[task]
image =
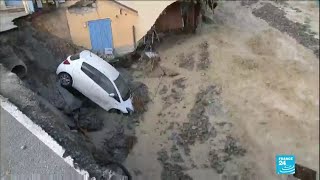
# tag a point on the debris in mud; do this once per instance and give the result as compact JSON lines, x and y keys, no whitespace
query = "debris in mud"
{"x":174,"y":172}
{"x":186,"y":62}
{"x":169,"y":72}
{"x":150,"y":65}
{"x":164,"y":90}
{"x":141,"y":97}
{"x":276,"y":18}
{"x":218,"y":157}
{"x":171,"y":171}
{"x":118,"y":145}
{"x":204,"y":61}
{"x":174,"y":97}
{"x":216,"y":162}
{"x":163,"y":156}
{"x":198,"y":128}
{"x":180,"y":83}
{"x":232,"y":147}
{"x":175,"y":155}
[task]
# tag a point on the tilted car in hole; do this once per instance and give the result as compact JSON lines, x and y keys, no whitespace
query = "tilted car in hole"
{"x":97,"y":80}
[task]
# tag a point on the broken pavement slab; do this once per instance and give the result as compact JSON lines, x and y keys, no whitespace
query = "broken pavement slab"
{"x":6,"y":19}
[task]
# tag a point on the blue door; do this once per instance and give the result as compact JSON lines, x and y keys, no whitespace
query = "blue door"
{"x":16,"y":3}
{"x":100,"y":35}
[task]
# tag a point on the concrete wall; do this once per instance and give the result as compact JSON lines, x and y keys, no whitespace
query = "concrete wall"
{"x":121,"y":23}
{"x":149,"y":11}
{"x":170,"y":19}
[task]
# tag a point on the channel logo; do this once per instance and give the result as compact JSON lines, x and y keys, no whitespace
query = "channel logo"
{"x":285,"y":164}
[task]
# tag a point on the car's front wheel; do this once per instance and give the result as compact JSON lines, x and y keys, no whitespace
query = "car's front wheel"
{"x":65,"y":79}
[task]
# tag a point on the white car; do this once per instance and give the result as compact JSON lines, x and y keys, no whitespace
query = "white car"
{"x":97,"y":80}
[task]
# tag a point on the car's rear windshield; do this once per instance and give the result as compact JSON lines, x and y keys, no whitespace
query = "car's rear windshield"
{"x":75,"y":57}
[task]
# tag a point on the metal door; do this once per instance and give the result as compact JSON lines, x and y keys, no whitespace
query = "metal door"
{"x":100,"y":35}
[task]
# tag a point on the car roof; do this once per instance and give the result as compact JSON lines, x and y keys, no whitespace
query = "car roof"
{"x":100,"y":64}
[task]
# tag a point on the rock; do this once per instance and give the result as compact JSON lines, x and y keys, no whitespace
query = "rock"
{"x":186,"y":62}
{"x":174,"y":172}
{"x":156,"y":72}
{"x":23,"y":147}
{"x":169,"y":72}
{"x":204,"y":60}
{"x":180,"y":83}
{"x":163,"y":156}
{"x":164,"y":90}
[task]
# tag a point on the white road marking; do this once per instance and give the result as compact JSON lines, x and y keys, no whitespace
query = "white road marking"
{"x":39,"y":133}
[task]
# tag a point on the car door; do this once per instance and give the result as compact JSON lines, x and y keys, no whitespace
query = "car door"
{"x":81,"y":79}
{"x":101,"y":87}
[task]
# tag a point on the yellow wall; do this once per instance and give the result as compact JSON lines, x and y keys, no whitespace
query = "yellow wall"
{"x":121,"y":24}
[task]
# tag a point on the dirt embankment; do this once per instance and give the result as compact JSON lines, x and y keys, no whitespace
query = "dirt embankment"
{"x":53,"y":22}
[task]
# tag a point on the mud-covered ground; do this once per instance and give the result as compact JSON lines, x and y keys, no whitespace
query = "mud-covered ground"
{"x":245,"y":88}
{"x":219,"y":103}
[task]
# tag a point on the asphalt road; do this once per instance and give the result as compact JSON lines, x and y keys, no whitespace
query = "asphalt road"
{"x":24,"y":156}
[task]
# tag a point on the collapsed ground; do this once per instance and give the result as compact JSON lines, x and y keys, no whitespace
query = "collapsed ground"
{"x":245,"y":88}
{"x":89,"y":134}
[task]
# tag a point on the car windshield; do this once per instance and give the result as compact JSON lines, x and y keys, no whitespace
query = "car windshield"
{"x":122,"y":87}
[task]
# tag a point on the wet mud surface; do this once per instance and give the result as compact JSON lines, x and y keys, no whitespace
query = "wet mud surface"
{"x":276,"y":18}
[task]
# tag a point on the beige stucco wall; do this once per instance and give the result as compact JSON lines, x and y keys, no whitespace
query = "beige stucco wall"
{"x":149,"y":11}
{"x":121,"y":24}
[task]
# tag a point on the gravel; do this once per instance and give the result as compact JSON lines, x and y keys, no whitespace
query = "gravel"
{"x":276,"y":18}
{"x":232,"y":147}
{"x":216,"y":162}
{"x":198,"y":128}
{"x":219,"y":157}
{"x":186,"y":62}
{"x":204,"y":61}
{"x":175,"y":155}
{"x":174,"y":172}
{"x":171,"y":171}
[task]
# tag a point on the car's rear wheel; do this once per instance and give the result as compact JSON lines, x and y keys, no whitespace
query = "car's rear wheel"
{"x":65,"y":79}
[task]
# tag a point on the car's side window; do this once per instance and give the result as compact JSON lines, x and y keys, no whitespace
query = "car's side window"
{"x":99,"y":78}
{"x":90,"y":71}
